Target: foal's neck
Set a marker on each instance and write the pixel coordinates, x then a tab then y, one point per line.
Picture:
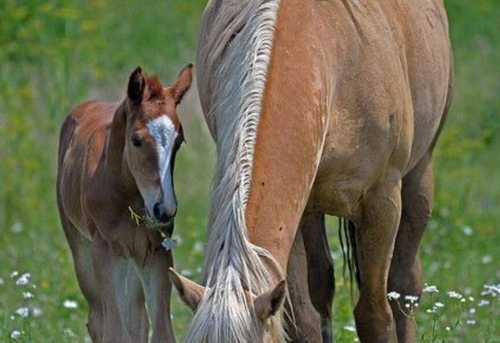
115	160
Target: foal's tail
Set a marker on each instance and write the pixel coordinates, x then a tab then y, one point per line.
347	236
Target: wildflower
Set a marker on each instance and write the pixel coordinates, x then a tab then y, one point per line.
1	281
68	332
467	230
71	304
483	303
471	298
14	274
23	279
393	295
28	295
411	298
448	328
492	290
350	328
472	310
15	334
430	289
23	312
37	311
438	304
17	227
470	322
455	295
486	259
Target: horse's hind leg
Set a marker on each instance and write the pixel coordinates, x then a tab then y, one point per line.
375	235
307	325
406	273
321	275
82	260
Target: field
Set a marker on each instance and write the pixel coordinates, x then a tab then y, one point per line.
55	54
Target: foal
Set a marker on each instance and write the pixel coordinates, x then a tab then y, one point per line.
117	204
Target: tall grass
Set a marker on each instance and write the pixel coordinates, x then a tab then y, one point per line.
54	54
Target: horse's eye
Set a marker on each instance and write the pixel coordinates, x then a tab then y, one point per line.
136	140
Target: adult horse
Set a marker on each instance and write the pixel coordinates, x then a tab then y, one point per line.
117	160
317	107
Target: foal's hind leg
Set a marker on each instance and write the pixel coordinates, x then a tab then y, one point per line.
320	267
82	260
406	273
307	328
375	236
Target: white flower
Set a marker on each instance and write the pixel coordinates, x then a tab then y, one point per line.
23	279
470	322
14	274
483	303
1	281
17	227
15	334
23	312
492	290
430	289
438	304
411	298
448	328
393	295
37	311
472	310
68	332
486	259
28	295
455	295
70	304
350	328
467	230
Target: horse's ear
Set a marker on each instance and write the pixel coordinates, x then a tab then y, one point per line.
266	305
189	291
136	85
183	83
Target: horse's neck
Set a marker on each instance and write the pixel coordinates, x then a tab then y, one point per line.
115	163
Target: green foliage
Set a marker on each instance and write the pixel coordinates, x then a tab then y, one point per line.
54	54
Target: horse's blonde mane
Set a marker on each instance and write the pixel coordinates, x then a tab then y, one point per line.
233	60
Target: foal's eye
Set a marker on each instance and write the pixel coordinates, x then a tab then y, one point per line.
136	140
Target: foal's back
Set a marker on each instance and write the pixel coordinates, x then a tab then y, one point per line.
81	145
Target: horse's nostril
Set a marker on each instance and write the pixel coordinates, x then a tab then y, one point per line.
164	218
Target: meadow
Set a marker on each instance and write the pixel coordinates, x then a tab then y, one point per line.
57	53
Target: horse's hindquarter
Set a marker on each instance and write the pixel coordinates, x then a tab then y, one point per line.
79	160
389	88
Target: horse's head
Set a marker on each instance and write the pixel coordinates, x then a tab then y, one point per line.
232	327
153	136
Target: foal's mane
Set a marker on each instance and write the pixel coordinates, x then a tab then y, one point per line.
233	58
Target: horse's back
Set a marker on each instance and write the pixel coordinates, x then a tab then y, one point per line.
81	144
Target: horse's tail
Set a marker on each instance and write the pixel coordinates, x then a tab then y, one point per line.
347	236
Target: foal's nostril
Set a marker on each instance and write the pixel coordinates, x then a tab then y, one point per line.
161	214
156	211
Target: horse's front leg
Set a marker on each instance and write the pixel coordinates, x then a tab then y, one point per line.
153	272
123	314
375	236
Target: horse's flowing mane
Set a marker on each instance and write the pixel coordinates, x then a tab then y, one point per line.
234	56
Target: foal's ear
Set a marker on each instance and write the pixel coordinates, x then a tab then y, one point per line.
189	291
183	83
266	305
136	85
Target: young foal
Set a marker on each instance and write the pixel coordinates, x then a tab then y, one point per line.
116	160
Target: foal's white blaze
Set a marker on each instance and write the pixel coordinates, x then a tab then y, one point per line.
162	129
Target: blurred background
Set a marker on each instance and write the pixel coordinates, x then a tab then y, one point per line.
55	54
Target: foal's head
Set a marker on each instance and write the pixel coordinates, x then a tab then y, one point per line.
153	136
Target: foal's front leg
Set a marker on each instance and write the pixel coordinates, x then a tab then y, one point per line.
124	317
153	272
381	212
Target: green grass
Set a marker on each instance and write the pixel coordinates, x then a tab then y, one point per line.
58	53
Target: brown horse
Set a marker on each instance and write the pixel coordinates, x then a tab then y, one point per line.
117	160
317	107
